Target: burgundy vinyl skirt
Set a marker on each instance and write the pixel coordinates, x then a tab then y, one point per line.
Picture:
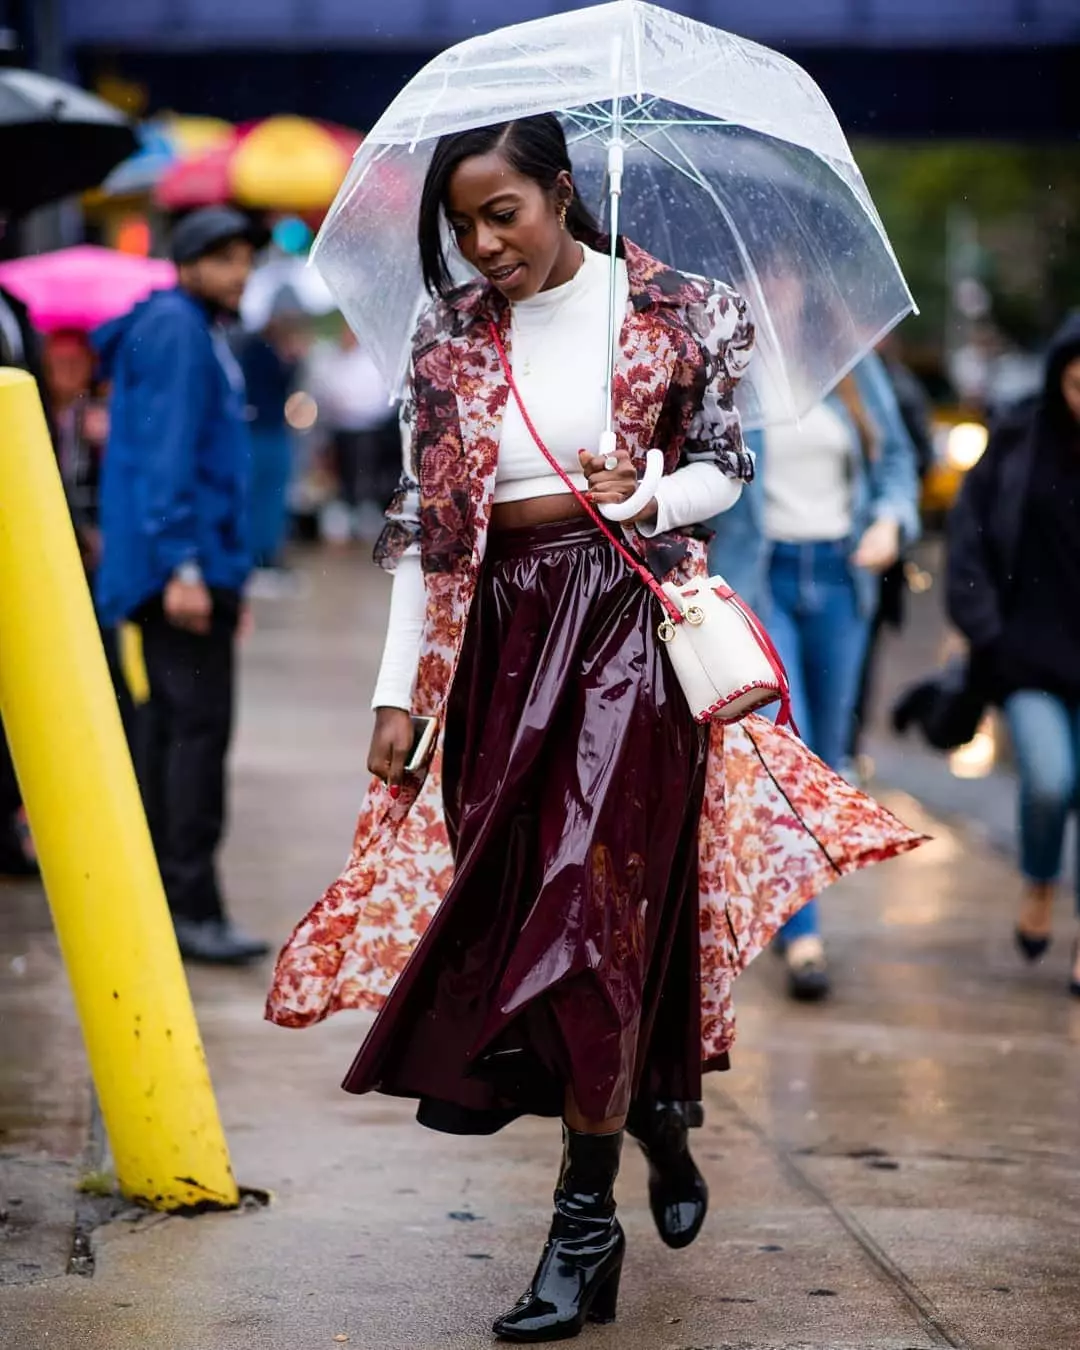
565	952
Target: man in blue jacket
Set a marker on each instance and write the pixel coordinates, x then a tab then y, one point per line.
176	555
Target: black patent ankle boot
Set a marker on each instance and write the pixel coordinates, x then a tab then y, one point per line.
678	1195
577	1280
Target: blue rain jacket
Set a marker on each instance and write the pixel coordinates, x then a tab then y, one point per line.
174	484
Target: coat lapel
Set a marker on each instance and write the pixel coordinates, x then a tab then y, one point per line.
653	348
644	363
481	389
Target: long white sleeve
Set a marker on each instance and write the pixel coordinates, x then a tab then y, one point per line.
401	651
690	495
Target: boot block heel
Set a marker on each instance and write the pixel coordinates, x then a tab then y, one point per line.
606	1300
577	1279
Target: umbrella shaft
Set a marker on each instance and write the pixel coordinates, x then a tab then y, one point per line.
615	174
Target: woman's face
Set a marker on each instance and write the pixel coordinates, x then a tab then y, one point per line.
1070	387
507	225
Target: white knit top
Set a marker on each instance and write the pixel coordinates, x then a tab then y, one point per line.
561	379
808	476
558	352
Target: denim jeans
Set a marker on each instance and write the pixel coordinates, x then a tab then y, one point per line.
1045	733
821	635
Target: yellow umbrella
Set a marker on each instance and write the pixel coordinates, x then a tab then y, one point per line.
193	135
291	164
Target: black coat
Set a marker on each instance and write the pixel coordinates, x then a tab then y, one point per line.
985	525
984	530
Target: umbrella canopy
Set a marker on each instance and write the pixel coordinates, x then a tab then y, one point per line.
84	286
55	140
163	142
731	164
279	164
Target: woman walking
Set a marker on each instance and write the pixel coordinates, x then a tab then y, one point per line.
838	500
1014	592
581	868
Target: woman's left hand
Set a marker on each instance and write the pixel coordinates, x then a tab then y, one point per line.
879	547
613	486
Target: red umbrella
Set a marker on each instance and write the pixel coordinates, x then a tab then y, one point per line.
202	180
282	163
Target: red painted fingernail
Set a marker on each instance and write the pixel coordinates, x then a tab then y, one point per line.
395	792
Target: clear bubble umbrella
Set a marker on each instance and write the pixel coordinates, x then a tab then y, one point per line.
715	154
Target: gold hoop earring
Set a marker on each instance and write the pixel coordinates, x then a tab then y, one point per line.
562	216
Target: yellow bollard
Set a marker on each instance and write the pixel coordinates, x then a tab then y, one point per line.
97	861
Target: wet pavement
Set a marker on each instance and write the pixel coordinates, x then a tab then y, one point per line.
45	1097
894	1170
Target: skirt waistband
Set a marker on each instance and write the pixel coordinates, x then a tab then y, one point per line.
555	534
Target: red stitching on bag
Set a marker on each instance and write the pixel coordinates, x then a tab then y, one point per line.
765	642
707	714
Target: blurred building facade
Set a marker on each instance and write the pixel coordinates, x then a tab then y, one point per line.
893	67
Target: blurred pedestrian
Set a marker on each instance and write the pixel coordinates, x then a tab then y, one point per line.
914	406
269	360
839	498
358	427
20	350
576	963
81	420
176	556
1013	586
78	407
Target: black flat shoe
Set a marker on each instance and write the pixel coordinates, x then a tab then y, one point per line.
807	976
678	1195
1031	946
577	1280
808	984
215	942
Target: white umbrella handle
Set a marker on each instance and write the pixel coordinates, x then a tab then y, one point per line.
646	490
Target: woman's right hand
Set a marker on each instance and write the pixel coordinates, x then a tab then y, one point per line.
391	742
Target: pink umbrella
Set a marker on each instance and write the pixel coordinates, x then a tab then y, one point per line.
83	286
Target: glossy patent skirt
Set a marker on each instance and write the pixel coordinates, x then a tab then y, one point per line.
565	952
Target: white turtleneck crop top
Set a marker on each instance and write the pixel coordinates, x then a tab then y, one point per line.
558	350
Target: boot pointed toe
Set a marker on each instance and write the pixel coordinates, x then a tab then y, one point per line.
1033	946
679	1221
678	1195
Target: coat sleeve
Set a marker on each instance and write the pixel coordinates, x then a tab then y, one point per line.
972	595
171	362
724	330
894	475
400	536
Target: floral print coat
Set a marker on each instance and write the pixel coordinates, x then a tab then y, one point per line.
777	825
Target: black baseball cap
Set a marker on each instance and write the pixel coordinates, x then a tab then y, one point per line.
208	228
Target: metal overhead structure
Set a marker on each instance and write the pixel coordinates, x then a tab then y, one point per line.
909	68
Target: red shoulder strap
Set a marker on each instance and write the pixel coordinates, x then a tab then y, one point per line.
639	567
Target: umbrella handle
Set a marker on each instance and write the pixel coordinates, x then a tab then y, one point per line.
646	489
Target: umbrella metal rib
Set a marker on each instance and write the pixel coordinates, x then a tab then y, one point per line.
761	312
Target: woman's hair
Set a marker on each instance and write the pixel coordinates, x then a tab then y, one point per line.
534	146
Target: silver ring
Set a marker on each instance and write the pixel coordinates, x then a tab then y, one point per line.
611	463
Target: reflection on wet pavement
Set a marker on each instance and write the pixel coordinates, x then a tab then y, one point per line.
896	1169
